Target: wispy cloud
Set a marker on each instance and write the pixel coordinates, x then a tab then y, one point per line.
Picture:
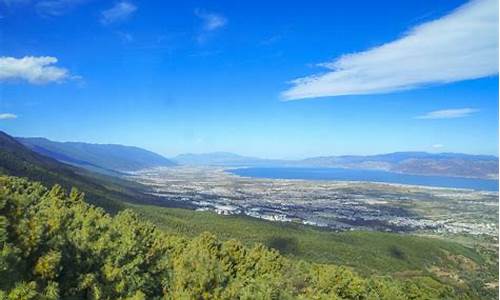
211	23
125	36
57	7
448	113
49	8
118	13
459	46
36	70
437	146
7	116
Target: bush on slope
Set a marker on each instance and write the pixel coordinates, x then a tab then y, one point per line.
56	246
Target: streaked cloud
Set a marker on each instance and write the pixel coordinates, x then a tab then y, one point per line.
36	70
125	36
448	113
118	13
57	7
211	22
437	146
7	116
47	7
459	46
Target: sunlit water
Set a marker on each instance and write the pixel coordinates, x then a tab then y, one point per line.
367	175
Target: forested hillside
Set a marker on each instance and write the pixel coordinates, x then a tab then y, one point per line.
420	260
54	245
105	158
105	191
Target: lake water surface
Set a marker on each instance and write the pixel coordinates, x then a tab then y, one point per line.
366	175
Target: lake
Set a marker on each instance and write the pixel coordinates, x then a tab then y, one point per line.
366	175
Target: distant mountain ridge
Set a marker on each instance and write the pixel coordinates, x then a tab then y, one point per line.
421	163
111	159
225	159
105	191
108	192
104	158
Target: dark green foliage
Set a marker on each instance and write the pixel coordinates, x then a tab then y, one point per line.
397	252
285	245
56	246
47	272
370	253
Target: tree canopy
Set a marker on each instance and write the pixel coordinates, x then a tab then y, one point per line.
54	245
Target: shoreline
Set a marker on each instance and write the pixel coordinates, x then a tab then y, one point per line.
229	170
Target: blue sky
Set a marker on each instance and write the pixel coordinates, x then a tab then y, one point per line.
202	76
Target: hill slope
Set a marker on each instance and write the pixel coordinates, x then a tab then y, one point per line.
56	246
97	157
105	191
370	253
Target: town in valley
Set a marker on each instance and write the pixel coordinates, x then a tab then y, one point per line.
337	205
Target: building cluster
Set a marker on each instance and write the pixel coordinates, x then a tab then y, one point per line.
336	205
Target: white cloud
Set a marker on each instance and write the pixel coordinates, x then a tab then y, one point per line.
448	113
437	146
7	116
459	46
37	70
211	21
118	13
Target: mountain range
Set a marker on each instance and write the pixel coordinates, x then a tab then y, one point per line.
104	158
420	163
109	192
111	159
224	159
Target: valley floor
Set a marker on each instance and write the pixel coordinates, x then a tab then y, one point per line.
331	204
450	235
